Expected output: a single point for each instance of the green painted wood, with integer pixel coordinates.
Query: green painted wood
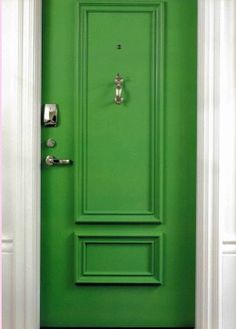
(118, 227)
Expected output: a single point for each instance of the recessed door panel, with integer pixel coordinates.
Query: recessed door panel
(118, 259)
(118, 145)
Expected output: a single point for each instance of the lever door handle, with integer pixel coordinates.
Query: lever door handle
(51, 161)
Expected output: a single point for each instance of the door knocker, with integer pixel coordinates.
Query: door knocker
(118, 84)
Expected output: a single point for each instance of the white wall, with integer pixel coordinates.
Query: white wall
(9, 152)
(227, 165)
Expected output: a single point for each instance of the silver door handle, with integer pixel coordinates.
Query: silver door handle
(51, 161)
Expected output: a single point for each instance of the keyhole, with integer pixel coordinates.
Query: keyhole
(118, 46)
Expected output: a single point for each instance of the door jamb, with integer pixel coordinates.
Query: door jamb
(21, 162)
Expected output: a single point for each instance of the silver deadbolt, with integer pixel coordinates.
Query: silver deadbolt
(50, 115)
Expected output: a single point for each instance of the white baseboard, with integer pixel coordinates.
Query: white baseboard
(229, 290)
(7, 283)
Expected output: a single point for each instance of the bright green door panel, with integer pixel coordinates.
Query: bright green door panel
(118, 227)
(117, 146)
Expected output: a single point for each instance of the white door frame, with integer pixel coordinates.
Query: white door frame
(21, 32)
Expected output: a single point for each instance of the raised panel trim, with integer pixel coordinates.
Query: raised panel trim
(155, 215)
(154, 276)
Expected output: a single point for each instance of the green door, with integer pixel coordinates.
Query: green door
(118, 225)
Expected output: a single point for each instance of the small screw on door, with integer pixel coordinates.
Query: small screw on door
(51, 143)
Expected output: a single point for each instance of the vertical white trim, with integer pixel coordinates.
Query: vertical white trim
(10, 22)
(216, 196)
(21, 155)
(227, 162)
(30, 170)
(228, 119)
(208, 308)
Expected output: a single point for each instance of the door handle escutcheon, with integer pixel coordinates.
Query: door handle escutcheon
(51, 161)
(118, 83)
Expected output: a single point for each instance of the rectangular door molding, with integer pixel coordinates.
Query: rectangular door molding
(120, 259)
(21, 166)
(95, 199)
